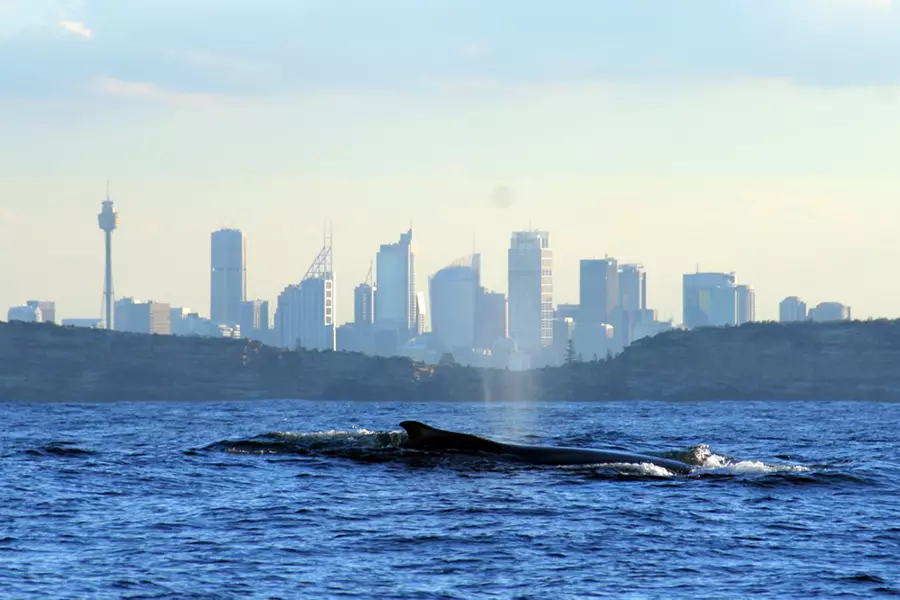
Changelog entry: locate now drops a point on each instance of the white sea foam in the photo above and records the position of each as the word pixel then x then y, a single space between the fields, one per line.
pixel 749 467
pixel 642 469
pixel 708 461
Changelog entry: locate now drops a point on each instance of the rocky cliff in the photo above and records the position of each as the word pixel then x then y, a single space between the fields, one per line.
pixel 850 361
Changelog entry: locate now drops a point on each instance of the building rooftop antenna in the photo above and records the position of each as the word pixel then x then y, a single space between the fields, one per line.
pixel 368 281
pixel 321 267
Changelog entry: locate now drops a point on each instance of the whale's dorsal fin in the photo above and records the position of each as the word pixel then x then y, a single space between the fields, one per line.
pixel 419 433
pixel 425 437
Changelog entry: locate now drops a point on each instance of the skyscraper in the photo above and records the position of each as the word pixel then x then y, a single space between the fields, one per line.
pixel 454 292
pixel 304 317
pixel 632 306
pixel 746 304
pixel 709 299
pixel 599 291
pixel 143 317
pixel 363 296
pixel 254 321
pixel 395 295
pixel 228 283
pixel 792 309
pixel 108 220
pixel 530 261
pixel 490 320
pixel 632 287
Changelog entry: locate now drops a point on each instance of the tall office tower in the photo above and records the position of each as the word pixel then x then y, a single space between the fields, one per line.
pixel 830 311
pixel 746 304
pixel 228 282
pixel 108 220
pixel 709 299
pixel 490 319
pixel 143 317
pixel 531 290
pixel 632 304
pixel 419 322
pixel 791 309
pixel 632 287
pixel 48 309
pixel 364 301
pixel 363 296
pixel 395 296
pixel 254 321
pixel 304 317
pixel 599 291
pixel 454 292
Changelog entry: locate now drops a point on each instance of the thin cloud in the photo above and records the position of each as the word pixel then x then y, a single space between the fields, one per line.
pixel 78 28
pixel 142 90
pixel 239 49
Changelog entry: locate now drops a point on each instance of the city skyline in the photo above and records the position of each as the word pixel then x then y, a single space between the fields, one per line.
pixel 348 311
pixel 779 170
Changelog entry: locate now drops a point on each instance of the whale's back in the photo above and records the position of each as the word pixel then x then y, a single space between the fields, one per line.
pixel 425 437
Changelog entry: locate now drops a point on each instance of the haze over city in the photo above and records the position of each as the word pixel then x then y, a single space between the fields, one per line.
pixel 746 146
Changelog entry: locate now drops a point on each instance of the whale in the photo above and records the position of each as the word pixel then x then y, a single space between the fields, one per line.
pixel 424 438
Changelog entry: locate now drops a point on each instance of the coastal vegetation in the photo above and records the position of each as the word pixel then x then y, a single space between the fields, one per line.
pixel 857 360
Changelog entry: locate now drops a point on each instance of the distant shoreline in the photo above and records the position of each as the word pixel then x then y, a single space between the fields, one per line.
pixel 461 401
pixel 842 361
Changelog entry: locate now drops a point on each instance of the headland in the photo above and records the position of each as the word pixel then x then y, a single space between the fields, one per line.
pixel 854 360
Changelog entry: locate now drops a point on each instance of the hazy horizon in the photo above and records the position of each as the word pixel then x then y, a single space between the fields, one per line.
pixel 728 135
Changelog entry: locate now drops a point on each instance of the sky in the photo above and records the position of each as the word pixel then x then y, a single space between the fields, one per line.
pixel 755 136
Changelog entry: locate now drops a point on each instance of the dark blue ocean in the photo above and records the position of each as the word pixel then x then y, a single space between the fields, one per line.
pixel 288 499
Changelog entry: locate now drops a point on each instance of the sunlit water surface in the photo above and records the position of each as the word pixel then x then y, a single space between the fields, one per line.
pixel 287 499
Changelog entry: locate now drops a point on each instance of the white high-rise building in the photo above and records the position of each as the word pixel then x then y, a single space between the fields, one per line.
pixel 710 299
pixel 792 309
pixel 48 309
pixel 228 283
pixel 143 317
pixel 825 312
pixel 27 314
pixel 598 292
pixel 304 317
pixel 632 287
pixel 395 293
pixel 746 304
pixel 454 293
pixel 531 290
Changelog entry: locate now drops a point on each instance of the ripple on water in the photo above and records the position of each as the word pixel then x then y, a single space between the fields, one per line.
pixel 140 501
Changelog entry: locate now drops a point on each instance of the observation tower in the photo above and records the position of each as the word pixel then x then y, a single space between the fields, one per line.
pixel 108 220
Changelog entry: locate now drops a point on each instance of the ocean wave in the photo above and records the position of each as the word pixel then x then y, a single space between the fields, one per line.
pixel 60 449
